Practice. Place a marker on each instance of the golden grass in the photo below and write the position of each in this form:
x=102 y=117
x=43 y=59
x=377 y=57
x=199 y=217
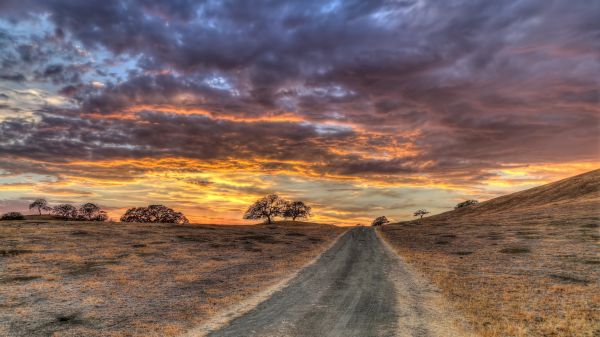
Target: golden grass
x=528 y=269
x=116 y=279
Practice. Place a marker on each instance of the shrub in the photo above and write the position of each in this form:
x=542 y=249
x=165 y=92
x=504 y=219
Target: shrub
x=12 y=216
x=466 y=203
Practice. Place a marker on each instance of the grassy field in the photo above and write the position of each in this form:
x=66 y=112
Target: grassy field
x=114 y=279
x=526 y=264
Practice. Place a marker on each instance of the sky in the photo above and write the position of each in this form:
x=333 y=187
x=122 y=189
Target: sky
x=359 y=108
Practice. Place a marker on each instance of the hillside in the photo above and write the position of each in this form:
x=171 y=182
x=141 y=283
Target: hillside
x=524 y=264
x=575 y=192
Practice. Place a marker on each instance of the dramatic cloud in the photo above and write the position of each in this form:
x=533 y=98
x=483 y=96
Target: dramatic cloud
x=370 y=99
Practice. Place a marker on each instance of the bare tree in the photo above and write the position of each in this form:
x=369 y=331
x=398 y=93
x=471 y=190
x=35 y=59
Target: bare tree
x=154 y=214
x=466 y=203
x=40 y=204
x=65 y=211
x=421 y=212
x=380 y=221
x=267 y=207
x=91 y=212
x=296 y=209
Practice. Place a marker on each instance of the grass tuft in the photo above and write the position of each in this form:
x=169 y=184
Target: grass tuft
x=14 y=252
x=569 y=279
x=515 y=250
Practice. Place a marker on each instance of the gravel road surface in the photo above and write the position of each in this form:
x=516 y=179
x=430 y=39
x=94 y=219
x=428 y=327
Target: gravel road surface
x=358 y=288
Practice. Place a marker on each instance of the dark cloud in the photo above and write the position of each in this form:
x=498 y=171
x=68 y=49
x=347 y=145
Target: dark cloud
x=401 y=86
x=53 y=70
x=12 y=77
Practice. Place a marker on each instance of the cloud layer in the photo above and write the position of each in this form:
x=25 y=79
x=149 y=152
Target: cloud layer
x=377 y=94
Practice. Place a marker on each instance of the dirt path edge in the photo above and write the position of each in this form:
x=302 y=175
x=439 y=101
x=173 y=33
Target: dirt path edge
x=228 y=314
x=444 y=320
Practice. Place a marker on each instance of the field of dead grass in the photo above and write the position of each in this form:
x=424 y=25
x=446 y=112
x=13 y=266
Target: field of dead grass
x=116 y=279
x=532 y=271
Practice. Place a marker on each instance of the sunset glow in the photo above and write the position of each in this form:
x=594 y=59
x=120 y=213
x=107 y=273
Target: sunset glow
x=360 y=109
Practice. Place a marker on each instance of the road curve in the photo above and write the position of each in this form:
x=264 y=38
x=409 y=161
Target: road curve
x=347 y=292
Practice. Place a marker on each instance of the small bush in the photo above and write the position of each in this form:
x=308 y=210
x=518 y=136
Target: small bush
x=466 y=204
x=12 y=216
x=463 y=253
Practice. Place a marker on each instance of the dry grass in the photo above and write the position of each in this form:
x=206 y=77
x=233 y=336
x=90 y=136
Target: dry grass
x=527 y=264
x=115 y=279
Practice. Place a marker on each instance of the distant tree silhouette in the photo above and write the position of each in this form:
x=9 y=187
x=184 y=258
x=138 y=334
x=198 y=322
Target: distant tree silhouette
x=421 y=212
x=380 y=221
x=466 y=203
x=40 y=204
x=12 y=216
x=65 y=211
x=296 y=209
x=154 y=214
x=91 y=212
x=267 y=207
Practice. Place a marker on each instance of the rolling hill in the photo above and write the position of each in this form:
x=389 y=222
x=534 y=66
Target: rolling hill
x=574 y=194
x=524 y=264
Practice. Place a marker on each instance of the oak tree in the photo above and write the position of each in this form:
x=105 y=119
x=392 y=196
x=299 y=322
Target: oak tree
x=268 y=207
x=91 y=212
x=421 y=212
x=296 y=209
x=40 y=204
x=65 y=211
x=382 y=220
x=154 y=214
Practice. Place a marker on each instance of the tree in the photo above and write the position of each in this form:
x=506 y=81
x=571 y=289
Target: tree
x=380 y=221
x=40 y=204
x=91 y=212
x=421 y=212
x=266 y=208
x=12 y=216
x=466 y=203
x=296 y=209
x=154 y=214
x=65 y=211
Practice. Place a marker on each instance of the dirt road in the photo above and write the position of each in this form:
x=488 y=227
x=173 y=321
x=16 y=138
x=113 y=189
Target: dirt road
x=357 y=288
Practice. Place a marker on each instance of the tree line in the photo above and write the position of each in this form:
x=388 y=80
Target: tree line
x=267 y=208
x=92 y=212
x=85 y=212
